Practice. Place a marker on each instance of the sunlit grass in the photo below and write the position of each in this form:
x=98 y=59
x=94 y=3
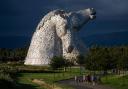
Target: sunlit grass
x=116 y=81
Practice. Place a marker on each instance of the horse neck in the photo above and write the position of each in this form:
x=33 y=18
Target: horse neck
x=55 y=40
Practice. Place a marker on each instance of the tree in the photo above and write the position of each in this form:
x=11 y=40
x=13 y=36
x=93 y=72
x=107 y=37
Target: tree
x=81 y=61
x=58 y=62
x=94 y=59
x=100 y=58
x=122 y=61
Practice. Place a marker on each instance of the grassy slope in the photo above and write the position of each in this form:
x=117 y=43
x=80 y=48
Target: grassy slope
x=116 y=81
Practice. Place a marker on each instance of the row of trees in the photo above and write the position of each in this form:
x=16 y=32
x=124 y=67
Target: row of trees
x=98 y=58
x=12 y=54
x=105 y=58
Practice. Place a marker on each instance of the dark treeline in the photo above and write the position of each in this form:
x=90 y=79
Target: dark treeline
x=16 y=54
x=106 y=58
x=98 y=58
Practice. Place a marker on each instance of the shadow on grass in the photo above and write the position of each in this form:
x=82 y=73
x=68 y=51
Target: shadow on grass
x=9 y=85
x=26 y=86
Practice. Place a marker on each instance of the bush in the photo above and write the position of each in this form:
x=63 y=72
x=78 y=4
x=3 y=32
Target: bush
x=80 y=60
x=6 y=77
x=6 y=81
x=58 y=62
x=5 y=69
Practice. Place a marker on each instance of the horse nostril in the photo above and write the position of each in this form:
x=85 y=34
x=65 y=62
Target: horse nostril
x=70 y=48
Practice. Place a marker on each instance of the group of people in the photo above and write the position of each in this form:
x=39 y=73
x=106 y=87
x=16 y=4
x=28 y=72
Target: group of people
x=88 y=78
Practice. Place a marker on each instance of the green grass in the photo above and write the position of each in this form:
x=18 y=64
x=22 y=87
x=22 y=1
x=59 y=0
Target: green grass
x=26 y=78
x=25 y=82
x=116 y=81
x=23 y=75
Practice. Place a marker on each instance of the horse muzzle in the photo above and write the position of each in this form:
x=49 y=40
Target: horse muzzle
x=92 y=13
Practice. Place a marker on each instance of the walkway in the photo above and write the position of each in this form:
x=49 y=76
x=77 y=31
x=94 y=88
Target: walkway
x=83 y=85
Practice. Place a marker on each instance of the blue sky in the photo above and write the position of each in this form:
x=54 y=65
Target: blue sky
x=20 y=17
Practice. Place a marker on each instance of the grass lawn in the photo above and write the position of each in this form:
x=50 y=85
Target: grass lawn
x=26 y=78
x=24 y=75
x=116 y=81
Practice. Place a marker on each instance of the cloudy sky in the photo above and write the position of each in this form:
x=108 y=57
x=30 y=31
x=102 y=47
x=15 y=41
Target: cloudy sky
x=20 y=17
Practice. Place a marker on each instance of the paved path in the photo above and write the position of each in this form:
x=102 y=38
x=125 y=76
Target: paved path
x=83 y=85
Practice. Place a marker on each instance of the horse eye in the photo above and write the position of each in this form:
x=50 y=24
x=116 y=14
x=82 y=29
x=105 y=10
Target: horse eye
x=76 y=28
x=66 y=26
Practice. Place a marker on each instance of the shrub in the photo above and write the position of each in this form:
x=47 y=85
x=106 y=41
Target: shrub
x=58 y=62
x=6 y=81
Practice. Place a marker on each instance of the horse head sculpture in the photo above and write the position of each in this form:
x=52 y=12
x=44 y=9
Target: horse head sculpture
x=54 y=35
